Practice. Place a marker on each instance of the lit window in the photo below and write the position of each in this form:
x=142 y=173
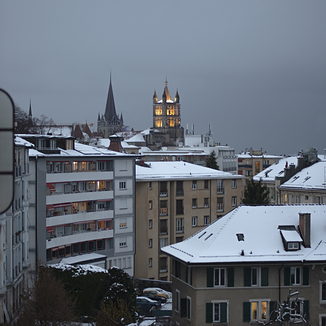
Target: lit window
x=259 y=310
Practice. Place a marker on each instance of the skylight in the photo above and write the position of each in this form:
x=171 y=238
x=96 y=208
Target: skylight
x=240 y=236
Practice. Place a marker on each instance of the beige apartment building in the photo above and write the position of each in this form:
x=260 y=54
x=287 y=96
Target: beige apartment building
x=174 y=200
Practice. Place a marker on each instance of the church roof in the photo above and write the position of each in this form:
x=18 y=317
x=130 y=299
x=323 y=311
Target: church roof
x=110 y=112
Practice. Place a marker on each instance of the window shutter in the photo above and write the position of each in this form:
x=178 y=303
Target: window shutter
x=305 y=280
x=264 y=276
x=272 y=309
x=246 y=311
x=247 y=276
x=210 y=277
x=231 y=277
x=209 y=312
x=223 y=316
x=306 y=309
x=183 y=307
x=287 y=276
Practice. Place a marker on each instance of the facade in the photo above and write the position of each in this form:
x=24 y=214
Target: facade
x=84 y=204
x=253 y=162
x=167 y=119
x=110 y=123
x=235 y=271
x=174 y=200
x=14 y=238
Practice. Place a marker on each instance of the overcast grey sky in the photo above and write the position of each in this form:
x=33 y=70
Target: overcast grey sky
x=254 y=70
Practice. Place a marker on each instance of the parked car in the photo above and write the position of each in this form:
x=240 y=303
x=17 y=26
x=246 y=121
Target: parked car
x=158 y=291
x=154 y=296
x=146 y=304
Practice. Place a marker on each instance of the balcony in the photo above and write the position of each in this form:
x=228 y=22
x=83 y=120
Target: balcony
x=163 y=230
x=163 y=194
x=163 y=211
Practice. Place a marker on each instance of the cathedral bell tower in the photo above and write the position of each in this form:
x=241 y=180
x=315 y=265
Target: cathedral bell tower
x=166 y=117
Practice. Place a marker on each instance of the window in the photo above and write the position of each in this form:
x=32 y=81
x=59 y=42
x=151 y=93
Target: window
x=188 y=308
x=164 y=226
x=163 y=264
x=205 y=184
x=123 y=203
x=179 y=191
x=220 y=204
x=220 y=312
x=255 y=276
x=322 y=320
x=179 y=225
x=123 y=224
x=122 y=185
x=67 y=188
x=259 y=310
x=220 y=188
x=206 y=202
x=150 y=243
x=234 y=183
x=247 y=173
x=219 y=276
x=179 y=208
x=234 y=201
x=163 y=207
x=150 y=204
x=122 y=165
x=206 y=220
x=150 y=185
x=293 y=245
x=266 y=162
x=295 y=276
x=163 y=188
x=322 y=291
x=194 y=203
x=194 y=221
x=163 y=242
x=123 y=242
x=177 y=300
x=194 y=185
x=150 y=224
x=150 y=262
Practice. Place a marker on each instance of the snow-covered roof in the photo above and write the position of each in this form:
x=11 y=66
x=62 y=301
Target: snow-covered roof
x=276 y=169
x=168 y=170
x=138 y=138
x=22 y=142
x=218 y=242
x=265 y=156
x=312 y=177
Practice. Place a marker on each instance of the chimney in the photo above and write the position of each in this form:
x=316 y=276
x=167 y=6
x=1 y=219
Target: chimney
x=115 y=143
x=305 y=228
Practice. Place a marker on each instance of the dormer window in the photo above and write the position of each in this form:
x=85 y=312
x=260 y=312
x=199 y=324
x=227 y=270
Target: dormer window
x=290 y=237
x=293 y=246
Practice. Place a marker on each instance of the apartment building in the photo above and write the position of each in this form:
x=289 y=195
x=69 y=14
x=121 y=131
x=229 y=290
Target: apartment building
x=83 y=205
x=174 y=200
x=240 y=268
x=252 y=162
x=14 y=239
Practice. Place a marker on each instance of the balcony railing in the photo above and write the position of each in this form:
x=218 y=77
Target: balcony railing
x=163 y=230
x=179 y=229
x=163 y=211
x=220 y=190
x=163 y=194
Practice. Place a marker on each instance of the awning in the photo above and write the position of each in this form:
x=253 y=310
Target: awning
x=50 y=207
x=49 y=229
x=50 y=186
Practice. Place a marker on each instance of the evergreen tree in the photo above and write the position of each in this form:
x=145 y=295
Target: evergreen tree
x=211 y=161
x=256 y=193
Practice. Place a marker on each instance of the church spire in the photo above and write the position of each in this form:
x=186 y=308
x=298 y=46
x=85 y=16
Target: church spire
x=110 y=112
x=30 y=110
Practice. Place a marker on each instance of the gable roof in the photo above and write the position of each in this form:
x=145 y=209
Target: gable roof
x=218 y=242
x=312 y=177
x=172 y=170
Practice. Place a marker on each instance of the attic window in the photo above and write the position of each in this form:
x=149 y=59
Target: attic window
x=240 y=236
x=306 y=179
x=291 y=238
x=295 y=178
x=201 y=235
x=208 y=236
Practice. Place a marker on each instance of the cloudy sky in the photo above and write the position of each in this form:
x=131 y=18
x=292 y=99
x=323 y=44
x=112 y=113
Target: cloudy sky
x=253 y=70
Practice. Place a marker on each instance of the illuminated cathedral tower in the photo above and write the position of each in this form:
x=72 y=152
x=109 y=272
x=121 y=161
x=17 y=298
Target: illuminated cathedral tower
x=110 y=122
x=166 y=117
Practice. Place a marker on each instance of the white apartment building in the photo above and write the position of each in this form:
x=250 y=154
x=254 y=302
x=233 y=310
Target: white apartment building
x=14 y=256
x=83 y=204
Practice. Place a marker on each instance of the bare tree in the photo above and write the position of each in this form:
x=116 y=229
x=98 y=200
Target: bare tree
x=47 y=302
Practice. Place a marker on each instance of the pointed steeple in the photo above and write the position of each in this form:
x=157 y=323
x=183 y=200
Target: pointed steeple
x=154 y=97
x=30 y=110
x=166 y=92
x=121 y=119
x=177 y=98
x=110 y=112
